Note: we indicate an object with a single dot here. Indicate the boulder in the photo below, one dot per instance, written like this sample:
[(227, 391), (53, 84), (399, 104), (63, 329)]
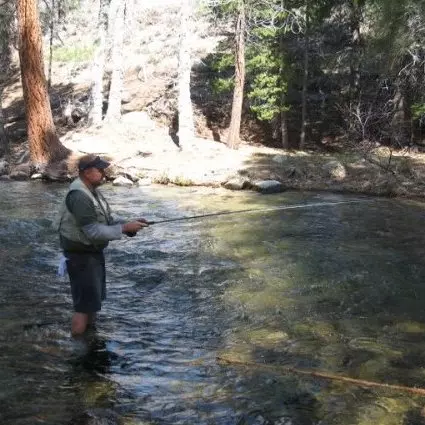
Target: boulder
[(144, 182), (21, 172), (19, 175), (36, 176), (236, 183), (335, 170), (122, 181), (4, 167), (268, 186), (130, 174)]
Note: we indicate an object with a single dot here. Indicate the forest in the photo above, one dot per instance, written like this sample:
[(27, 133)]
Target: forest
[(317, 76)]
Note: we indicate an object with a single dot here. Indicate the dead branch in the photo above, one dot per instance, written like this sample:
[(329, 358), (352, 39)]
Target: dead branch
[(323, 375)]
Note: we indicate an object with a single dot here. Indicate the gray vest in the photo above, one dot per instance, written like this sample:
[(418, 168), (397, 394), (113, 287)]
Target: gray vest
[(67, 225)]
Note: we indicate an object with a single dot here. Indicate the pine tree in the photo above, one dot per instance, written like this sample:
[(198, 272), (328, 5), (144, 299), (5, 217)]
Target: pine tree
[(45, 147)]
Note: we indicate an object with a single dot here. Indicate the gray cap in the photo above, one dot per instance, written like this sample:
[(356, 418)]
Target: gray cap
[(92, 161)]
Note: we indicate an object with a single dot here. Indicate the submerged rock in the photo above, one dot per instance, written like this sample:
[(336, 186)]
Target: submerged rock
[(96, 417)]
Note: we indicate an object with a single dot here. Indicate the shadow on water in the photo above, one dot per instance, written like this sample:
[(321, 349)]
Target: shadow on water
[(336, 289)]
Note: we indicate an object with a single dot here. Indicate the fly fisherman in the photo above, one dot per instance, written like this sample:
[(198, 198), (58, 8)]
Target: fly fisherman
[(85, 228)]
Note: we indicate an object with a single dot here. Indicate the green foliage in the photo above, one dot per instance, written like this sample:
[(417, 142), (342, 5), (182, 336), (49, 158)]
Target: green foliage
[(265, 95), (223, 85), (223, 62), (418, 110), (73, 54)]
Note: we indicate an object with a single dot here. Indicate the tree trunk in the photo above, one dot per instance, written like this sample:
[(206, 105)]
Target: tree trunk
[(283, 107), (96, 113), (233, 139), (44, 143), (4, 140), (115, 92), (355, 20), (52, 30), (6, 19), (305, 76), (186, 131)]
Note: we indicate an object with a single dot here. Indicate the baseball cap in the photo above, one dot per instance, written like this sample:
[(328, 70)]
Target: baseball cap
[(92, 161)]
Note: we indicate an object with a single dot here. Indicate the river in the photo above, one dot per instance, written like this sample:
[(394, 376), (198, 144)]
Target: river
[(336, 289)]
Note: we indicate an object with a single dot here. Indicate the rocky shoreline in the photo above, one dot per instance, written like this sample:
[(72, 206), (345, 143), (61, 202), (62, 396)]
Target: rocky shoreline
[(142, 153)]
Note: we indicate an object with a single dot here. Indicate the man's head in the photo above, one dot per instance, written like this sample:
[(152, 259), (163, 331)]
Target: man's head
[(91, 169)]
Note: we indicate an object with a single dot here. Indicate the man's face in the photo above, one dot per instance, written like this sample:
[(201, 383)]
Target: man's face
[(94, 176)]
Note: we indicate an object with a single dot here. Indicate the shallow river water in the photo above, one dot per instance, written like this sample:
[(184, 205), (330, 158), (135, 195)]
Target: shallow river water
[(206, 319)]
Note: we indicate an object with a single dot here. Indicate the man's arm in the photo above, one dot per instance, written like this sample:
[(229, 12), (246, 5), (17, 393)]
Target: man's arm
[(82, 208)]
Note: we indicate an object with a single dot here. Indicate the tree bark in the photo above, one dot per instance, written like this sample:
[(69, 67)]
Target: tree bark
[(186, 130), (52, 31), (115, 92), (284, 136), (6, 19), (355, 20), (96, 113), (305, 76), (44, 143), (4, 139), (233, 139)]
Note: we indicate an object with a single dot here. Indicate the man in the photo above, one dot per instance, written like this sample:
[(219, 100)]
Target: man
[(85, 228)]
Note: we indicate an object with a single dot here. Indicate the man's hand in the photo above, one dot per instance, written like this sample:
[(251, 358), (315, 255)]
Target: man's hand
[(143, 221), (131, 228)]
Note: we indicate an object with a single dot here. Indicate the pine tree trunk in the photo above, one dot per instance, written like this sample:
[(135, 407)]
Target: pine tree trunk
[(233, 139), (52, 32), (6, 19), (283, 114), (186, 132), (96, 113), (284, 124), (4, 140), (305, 76), (44, 143), (115, 92), (356, 16)]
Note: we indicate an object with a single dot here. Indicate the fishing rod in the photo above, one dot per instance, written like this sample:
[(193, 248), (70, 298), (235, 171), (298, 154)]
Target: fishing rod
[(254, 210)]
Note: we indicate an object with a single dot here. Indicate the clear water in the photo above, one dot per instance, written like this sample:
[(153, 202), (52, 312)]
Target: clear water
[(337, 289)]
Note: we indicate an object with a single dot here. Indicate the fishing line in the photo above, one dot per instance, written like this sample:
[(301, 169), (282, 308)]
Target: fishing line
[(257, 210)]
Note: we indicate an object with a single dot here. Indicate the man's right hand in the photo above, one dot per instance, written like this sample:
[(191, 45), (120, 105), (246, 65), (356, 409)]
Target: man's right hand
[(132, 227)]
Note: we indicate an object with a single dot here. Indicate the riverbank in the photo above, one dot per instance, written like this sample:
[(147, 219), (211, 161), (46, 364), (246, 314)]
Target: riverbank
[(143, 153)]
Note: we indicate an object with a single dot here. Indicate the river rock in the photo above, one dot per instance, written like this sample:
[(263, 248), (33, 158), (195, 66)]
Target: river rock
[(280, 159), (36, 176), (96, 417), (236, 183), (4, 167), (335, 170), (21, 172), (268, 186), (122, 181), (130, 174), (146, 181)]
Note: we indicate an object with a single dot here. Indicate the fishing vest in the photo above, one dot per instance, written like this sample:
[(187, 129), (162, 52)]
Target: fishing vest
[(67, 225)]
